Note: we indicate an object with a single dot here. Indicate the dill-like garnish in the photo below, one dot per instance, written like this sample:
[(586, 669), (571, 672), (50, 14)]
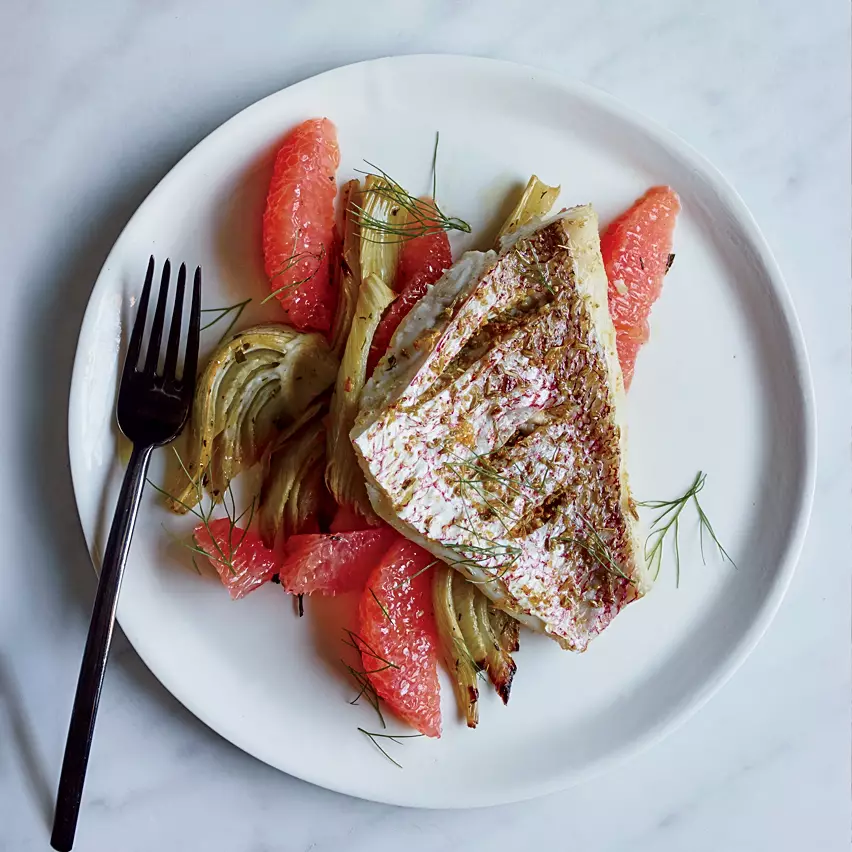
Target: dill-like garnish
[(549, 464), (361, 645), (492, 547), (381, 606), (534, 269), (235, 309), (407, 581), (594, 545), (477, 487), (480, 472), (473, 555), (435, 167), (506, 554), (477, 476), (290, 262), (461, 646), (361, 676), (205, 515), (423, 570), (423, 218), (477, 465), (366, 690), (669, 519), (472, 475), (394, 738), (193, 550)]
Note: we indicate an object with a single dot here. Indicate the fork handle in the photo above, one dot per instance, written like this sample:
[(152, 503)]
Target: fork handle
[(95, 655)]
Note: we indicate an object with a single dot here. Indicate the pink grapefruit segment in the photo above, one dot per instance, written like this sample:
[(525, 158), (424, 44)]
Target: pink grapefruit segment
[(333, 563), (239, 556), (298, 224), (399, 645), (636, 249), (422, 261)]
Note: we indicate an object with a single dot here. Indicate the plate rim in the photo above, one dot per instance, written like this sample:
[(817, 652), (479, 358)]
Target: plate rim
[(776, 591)]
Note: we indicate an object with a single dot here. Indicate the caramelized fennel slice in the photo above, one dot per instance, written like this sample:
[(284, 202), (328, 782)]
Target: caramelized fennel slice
[(465, 611), (498, 659), (379, 249), (343, 476), (454, 650), (257, 382), (348, 268), (534, 204), (288, 467), (506, 629)]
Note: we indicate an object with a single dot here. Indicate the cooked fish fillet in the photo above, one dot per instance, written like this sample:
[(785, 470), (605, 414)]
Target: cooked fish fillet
[(492, 432)]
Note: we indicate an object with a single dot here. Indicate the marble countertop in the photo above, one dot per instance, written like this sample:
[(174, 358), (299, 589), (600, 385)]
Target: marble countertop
[(99, 100)]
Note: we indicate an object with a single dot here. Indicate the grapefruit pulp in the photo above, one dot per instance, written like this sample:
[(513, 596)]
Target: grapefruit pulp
[(298, 224), (636, 250), (398, 640), (239, 556), (333, 563)]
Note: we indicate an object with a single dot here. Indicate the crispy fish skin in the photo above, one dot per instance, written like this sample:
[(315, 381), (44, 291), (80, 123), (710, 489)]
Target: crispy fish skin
[(493, 434)]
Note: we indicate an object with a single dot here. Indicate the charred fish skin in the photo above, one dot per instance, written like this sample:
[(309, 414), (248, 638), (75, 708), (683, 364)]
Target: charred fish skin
[(496, 437)]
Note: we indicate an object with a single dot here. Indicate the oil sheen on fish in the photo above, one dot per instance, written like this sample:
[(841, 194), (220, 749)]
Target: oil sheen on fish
[(492, 432)]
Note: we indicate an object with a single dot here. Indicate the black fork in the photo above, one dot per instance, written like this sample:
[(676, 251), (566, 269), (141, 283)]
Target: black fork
[(152, 409)]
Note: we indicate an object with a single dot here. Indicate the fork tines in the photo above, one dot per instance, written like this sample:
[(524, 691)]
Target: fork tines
[(169, 373)]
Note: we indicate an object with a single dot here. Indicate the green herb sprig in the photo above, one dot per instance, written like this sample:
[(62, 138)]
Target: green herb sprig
[(221, 313), (366, 689), (381, 606), (423, 218), (290, 262), (205, 515), (534, 269), (407, 581), (668, 520), (394, 738), (594, 545)]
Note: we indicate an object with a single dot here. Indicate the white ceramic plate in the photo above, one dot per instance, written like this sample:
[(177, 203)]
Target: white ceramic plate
[(723, 386)]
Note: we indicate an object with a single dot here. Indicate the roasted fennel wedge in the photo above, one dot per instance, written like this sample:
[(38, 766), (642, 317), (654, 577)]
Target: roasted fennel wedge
[(473, 637), (253, 385), (293, 485), (451, 641), (348, 267), (372, 212), (464, 604), (506, 629), (307, 499), (381, 221), (343, 476), (535, 203), (498, 656)]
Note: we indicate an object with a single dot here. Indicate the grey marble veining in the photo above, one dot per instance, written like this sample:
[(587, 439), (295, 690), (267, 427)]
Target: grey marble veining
[(98, 101)]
